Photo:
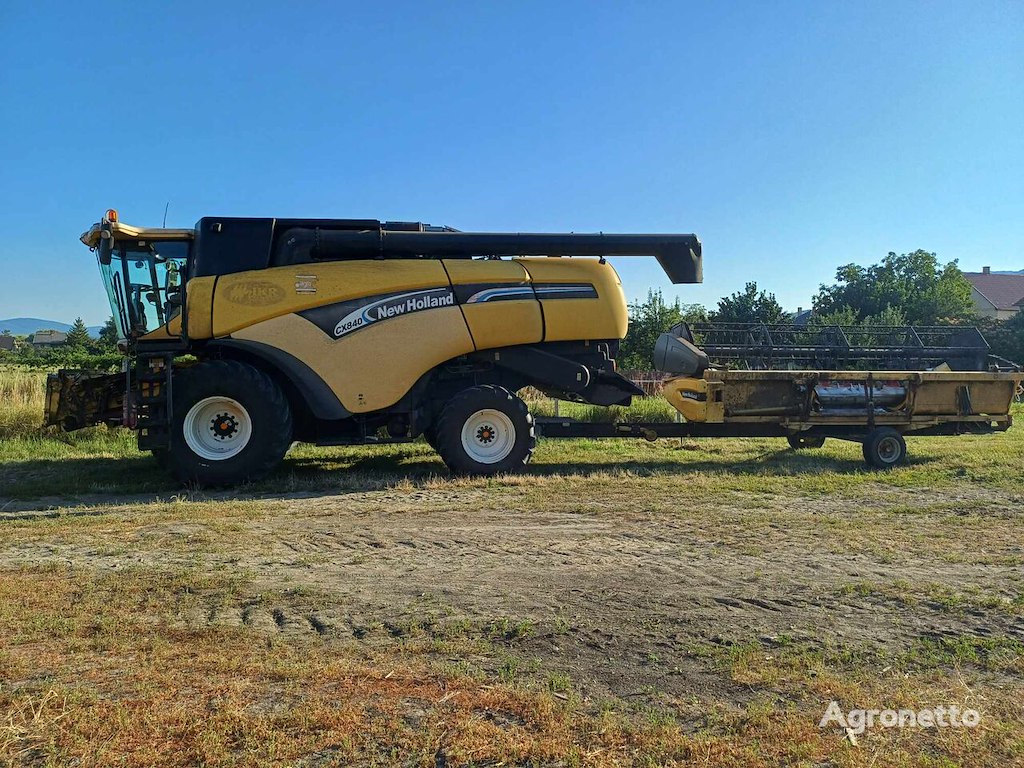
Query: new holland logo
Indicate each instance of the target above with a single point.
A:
(393, 306)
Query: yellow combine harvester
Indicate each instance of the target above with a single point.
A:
(244, 335)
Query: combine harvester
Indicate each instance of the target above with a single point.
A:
(241, 336)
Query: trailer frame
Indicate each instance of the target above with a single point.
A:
(788, 404)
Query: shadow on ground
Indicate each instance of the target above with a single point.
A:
(104, 479)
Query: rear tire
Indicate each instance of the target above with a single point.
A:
(231, 423)
(485, 430)
(799, 442)
(884, 448)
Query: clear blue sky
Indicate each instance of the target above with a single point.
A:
(791, 137)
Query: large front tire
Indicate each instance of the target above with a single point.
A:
(485, 430)
(231, 423)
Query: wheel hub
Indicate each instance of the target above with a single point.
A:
(217, 428)
(888, 449)
(488, 436)
(223, 426)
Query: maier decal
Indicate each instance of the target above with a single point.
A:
(255, 293)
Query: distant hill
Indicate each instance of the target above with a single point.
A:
(23, 326)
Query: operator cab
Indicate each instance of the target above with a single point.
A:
(144, 272)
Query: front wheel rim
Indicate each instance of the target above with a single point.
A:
(488, 436)
(217, 428)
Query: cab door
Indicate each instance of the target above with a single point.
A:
(156, 278)
(498, 302)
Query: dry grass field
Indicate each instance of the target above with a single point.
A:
(622, 603)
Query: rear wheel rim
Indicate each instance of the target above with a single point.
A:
(889, 450)
(217, 428)
(488, 436)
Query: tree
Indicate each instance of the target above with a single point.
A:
(1006, 338)
(911, 284)
(749, 306)
(840, 316)
(78, 335)
(109, 334)
(648, 320)
(887, 317)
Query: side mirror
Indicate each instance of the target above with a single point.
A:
(106, 246)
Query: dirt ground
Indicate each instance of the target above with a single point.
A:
(617, 585)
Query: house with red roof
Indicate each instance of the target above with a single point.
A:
(996, 294)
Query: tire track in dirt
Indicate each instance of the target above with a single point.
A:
(655, 581)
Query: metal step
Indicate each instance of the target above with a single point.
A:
(154, 410)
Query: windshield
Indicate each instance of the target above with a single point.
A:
(143, 283)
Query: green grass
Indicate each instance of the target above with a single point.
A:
(37, 463)
(106, 460)
(653, 409)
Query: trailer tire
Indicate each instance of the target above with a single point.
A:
(485, 430)
(800, 441)
(884, 448)
(230, 423)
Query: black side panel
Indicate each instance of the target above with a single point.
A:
(541, 367)
(612, 388)
(227, 245)
(322, 401)
(558, 368)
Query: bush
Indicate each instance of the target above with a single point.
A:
(62, 357)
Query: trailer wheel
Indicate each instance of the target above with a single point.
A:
(799, 441)
(231, 423)
(485, 430)
(884, 448)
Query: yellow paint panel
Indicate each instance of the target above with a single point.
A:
(246, 298)
(497, 323)
(504, 323)
(605, 317)
(463, 271)
(199, 306)
(372, 368)
(708, 409)
(169, 330)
